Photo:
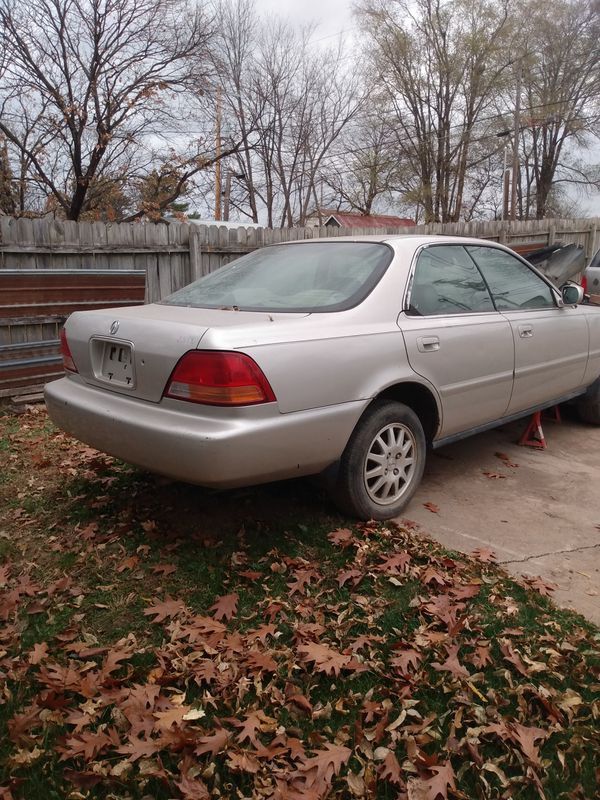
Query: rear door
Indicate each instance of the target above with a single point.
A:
(551, 343)
(456, 339)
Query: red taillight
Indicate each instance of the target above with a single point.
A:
(219, 379)
(584, 283)
(65, 352)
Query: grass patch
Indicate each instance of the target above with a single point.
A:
(397, 670)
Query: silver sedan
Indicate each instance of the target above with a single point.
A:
(347, 357)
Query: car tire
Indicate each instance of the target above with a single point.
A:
(588, 406)
(382, 464)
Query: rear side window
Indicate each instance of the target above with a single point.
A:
(310, 277)
(513, 285)
(446, 281)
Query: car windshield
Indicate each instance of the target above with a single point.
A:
(308, 277)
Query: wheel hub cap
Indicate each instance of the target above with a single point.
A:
(390, 464)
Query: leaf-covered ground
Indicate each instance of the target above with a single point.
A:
(160, 641)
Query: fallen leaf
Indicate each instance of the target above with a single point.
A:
(506, 458)
(319, 770)
(325, 658)
(452, 664)
(435, 787)
(164, 569)
(484, 555)
(343, 537)
(225, 606)
(167, 608)
(214, 743)
(38, 653)
(431, 507)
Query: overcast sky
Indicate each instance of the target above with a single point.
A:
(332, 15)
(335, 16)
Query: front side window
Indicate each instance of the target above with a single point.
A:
(446, 281)
(310, 277)
(513, 285)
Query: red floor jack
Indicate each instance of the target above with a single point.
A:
(533, 435)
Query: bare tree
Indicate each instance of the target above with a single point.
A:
(561, 79)
(98, 78)
(442, 63)
(289, 103)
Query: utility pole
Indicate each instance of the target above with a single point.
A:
(516, 130)
(218, 157)
(505, 183)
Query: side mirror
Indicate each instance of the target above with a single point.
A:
(572, 293)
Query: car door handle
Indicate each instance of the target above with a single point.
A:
(427, 344)
(525, 331)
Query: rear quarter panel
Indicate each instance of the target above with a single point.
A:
(332, 358)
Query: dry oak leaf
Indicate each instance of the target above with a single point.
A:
(225, 606)
(354, 575)
(301, 579)
(523, 736)
(243, 762)
(192, 788)
(539, 585)
(167, 608)
(261, 633)
(343, 537)
(404, 659)
(325, 658)
(364, 641)
(452, 664)
(432, 575)
(432, 507)
(396, 564)
(128, 563)
(514, 658)
(173, 716)
(214, 743)
(465, 591)
(482, 656)
(526, 737)
(494, 475)
(112, 661)
(38, 653)
(164, 569)
(319, 771)
(484, 555)
(137, 748)
(390, 770)
(435, 788)
(258, 661)
(254, 722)
(301, 702)
(506, 458)
(88, 744)
(250, 574)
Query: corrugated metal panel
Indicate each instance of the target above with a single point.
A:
(33, 307)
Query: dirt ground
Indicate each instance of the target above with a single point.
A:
(541, 518)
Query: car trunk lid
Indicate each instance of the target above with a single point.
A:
(134, 350)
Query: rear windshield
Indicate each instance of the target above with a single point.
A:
(316, 276)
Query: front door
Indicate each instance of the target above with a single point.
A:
(551, 343)
(457, 340)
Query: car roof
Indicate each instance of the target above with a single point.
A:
(389, 238)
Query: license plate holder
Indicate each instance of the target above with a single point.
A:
(117, 366)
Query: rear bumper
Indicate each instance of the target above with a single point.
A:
(208, 446)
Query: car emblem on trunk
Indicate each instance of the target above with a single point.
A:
(114, 327)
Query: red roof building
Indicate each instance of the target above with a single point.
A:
(353, 219)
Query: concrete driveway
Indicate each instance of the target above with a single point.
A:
(541, 518)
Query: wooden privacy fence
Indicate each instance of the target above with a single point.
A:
(162, 258)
